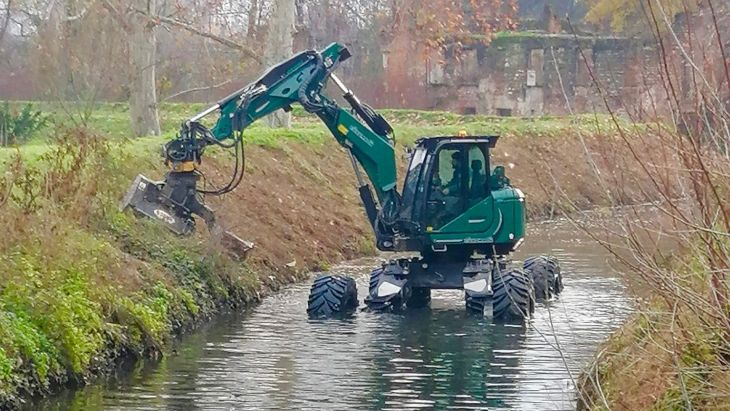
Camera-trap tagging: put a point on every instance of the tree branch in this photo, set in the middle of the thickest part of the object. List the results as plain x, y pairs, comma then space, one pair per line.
78, 15
720, 43
117, 15
192, 90
356, 13
187, 27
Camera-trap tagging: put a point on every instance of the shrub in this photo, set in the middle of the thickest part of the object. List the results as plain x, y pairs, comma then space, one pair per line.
16, 127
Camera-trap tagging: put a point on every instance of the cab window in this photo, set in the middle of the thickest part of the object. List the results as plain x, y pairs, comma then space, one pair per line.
446, 188
458, 180
478, 187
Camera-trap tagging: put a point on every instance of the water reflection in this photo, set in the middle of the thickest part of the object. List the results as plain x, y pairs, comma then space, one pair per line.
445, 359
274, 357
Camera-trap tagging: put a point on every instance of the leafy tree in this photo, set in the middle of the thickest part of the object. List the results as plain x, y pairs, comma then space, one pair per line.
441, 22
631, 16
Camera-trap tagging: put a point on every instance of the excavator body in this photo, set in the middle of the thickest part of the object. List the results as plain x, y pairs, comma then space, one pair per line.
457, 213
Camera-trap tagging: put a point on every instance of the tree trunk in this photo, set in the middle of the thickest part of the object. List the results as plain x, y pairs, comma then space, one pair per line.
279, 47
142, 88
253, 16
55, 55
6, 20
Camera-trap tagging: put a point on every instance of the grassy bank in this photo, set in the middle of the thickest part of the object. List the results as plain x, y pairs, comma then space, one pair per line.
84, 284
672, 355
112, 120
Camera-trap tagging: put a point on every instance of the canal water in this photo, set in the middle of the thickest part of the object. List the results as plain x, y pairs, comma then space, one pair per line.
274, 357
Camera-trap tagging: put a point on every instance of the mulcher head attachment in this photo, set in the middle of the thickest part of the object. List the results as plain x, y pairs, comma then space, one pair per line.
173, 202
145, 197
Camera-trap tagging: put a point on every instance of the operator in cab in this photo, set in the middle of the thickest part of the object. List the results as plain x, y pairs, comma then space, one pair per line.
453, 187
449, 195
499, 179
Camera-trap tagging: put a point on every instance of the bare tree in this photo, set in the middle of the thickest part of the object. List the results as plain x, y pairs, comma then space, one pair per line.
253, 12
6, 19
687, 287
140, 19
142, 88
279, 47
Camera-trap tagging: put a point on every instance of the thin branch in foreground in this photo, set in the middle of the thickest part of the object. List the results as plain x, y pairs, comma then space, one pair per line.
195, 89
187, 27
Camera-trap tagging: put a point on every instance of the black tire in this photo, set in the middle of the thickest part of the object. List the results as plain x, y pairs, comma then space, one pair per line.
558, 275
476, 305
374, 280
332, 295
419, 298
373, 303
514, 296
545, 274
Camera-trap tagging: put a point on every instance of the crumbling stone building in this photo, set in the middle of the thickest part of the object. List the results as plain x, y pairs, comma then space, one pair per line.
534, 74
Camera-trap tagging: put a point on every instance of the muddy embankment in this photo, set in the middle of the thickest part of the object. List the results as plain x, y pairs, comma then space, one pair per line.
83, 284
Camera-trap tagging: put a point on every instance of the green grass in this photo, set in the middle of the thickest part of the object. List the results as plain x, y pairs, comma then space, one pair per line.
69, 300
680, 351
112, 120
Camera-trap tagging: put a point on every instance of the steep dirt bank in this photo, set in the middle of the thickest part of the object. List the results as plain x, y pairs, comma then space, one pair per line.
298, 204
286, 188
83, 284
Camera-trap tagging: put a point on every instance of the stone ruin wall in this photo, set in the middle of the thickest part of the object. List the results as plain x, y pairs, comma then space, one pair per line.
547, 74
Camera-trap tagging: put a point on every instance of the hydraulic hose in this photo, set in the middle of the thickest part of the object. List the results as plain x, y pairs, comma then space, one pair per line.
390, 211
238, 171
304, 99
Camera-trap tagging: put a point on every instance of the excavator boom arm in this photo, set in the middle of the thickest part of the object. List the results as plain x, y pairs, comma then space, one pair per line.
299, 80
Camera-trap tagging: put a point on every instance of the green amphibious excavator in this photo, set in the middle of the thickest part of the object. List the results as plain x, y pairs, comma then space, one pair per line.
456, 219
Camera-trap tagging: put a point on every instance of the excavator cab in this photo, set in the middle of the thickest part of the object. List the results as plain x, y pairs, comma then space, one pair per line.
452, 203
455, 182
